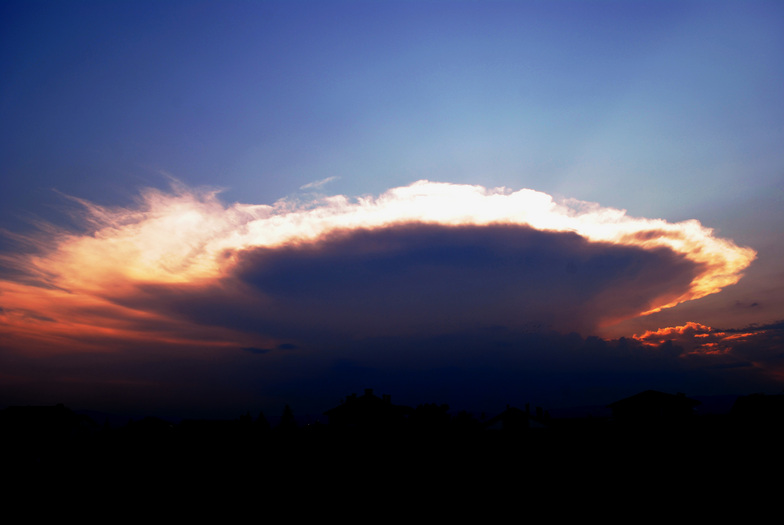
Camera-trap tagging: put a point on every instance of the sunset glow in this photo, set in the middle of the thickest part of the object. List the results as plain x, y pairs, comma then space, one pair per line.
231, 206
695, 338
188, 235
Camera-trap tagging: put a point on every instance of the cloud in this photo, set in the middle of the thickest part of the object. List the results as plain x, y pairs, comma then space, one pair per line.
432, 284
422, 258
693, 337
701, 339
756, 347
424, 279
315, 185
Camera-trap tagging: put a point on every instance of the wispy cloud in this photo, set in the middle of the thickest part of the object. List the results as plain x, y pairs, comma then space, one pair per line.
316, 185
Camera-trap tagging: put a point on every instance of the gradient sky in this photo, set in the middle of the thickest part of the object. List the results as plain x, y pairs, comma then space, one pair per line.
213, 207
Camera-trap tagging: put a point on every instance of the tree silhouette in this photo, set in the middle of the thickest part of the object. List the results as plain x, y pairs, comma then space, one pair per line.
287, 421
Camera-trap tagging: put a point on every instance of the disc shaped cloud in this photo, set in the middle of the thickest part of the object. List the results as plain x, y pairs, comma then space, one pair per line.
425, 258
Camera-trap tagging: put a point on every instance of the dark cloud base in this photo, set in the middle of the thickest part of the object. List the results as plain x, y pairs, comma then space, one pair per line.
425, 279
478, 370
472, 316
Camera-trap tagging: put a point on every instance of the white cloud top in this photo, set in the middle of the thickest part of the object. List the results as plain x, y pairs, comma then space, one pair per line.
190, 234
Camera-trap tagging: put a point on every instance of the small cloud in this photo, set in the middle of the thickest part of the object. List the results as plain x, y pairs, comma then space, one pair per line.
755, 327
318, 184
744, 304
256, 350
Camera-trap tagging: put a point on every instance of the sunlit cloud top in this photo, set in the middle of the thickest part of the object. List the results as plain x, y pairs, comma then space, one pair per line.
189, 234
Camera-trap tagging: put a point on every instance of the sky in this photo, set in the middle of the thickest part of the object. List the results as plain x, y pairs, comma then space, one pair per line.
208, 208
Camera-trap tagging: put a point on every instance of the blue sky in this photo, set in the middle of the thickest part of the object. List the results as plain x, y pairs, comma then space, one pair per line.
668, 110
653, 107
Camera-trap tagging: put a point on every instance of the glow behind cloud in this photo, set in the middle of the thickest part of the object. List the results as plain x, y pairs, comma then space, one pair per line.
181, 281
189, 235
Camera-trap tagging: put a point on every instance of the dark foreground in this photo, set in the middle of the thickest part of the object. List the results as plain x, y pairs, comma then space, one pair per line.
374, 440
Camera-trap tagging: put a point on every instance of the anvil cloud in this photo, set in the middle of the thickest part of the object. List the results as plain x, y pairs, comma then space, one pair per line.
185, 299
429, 257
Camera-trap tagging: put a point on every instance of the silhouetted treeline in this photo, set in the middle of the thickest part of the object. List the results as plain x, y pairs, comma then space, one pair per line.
368, 431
